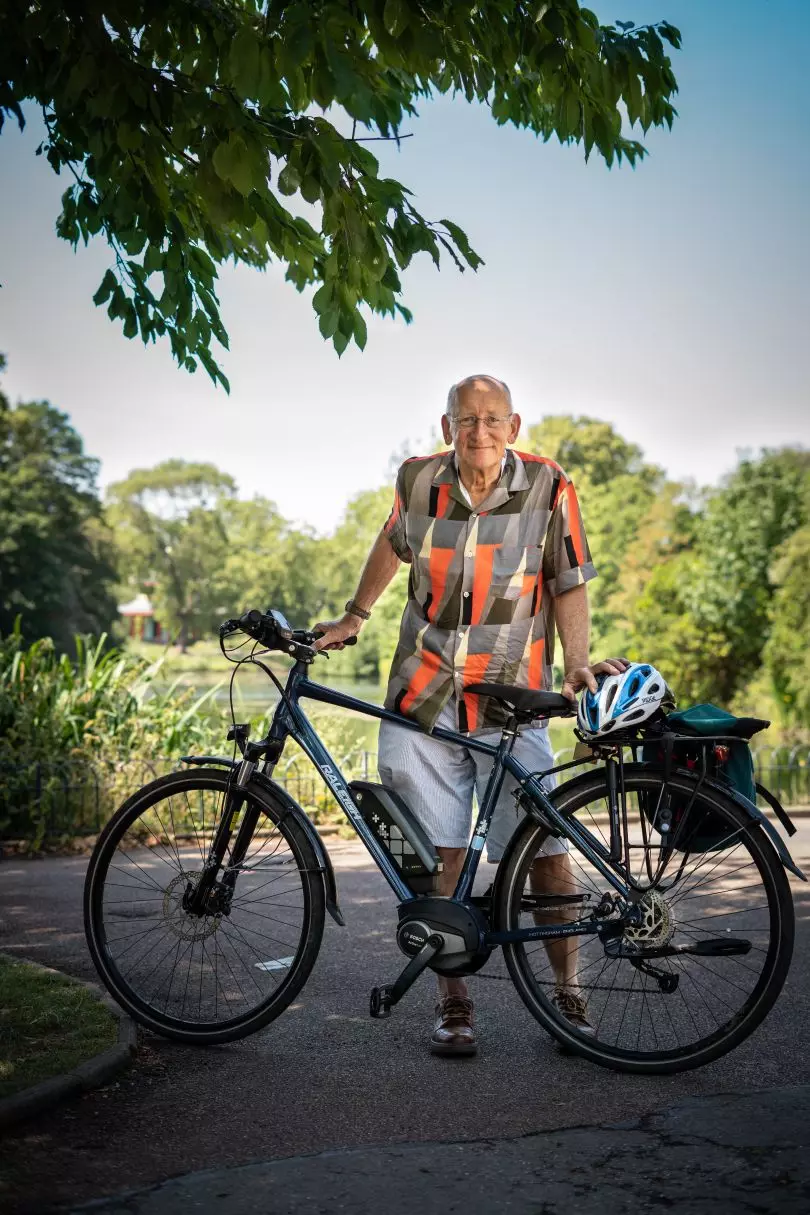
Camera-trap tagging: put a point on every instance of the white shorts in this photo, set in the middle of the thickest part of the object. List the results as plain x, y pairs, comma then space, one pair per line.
437, 781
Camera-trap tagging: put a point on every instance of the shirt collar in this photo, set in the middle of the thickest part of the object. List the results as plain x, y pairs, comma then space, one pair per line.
511, 465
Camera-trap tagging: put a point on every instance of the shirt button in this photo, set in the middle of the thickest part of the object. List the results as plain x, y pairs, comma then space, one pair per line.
466, 594
470, 554
461, 634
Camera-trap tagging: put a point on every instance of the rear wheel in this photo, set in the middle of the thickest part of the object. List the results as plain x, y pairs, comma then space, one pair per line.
223, 974
711, 950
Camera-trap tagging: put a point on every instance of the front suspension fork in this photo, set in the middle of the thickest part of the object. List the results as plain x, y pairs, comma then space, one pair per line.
197, 900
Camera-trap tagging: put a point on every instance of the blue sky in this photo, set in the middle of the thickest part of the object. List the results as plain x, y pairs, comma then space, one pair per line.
672, 301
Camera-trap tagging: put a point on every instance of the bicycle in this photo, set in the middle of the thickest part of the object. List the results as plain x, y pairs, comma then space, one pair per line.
206, 894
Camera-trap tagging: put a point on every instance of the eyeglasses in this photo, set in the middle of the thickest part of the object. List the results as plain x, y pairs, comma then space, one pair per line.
491, 421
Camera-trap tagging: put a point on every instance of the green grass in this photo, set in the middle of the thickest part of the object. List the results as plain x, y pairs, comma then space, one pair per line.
48, 1025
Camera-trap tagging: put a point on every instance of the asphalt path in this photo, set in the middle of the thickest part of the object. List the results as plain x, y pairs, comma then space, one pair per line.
325, 1077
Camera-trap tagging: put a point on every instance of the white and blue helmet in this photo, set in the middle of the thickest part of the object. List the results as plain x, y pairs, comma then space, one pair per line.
623, 701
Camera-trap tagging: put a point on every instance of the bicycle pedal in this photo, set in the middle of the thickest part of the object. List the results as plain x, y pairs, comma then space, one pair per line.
379, 1005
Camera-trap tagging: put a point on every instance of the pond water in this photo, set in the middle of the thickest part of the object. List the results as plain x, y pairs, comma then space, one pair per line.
255, 695
254, 690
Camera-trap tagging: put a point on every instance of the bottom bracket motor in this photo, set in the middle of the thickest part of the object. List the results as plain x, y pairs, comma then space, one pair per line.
461, 927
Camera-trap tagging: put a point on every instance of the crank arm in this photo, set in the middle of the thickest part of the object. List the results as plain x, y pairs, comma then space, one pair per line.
714, 947
384, 998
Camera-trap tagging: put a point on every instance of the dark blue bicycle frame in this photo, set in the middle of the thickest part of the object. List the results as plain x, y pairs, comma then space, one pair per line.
290, 721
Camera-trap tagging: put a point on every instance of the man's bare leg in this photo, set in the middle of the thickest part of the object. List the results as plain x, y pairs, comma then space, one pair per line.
453, 859
549, 875
553, 875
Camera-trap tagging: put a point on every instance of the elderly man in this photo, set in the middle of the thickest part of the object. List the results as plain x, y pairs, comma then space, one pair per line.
498, 557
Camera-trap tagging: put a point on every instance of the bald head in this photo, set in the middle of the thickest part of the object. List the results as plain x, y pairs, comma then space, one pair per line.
478, 386
479, 422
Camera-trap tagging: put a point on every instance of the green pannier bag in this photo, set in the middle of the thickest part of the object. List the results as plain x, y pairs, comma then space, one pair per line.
729, 763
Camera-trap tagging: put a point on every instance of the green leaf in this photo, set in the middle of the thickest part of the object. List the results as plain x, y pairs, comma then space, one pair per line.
311, 189
153, 260
244, 62
288, 180
130, 320
232, 163
221, 160
328, 321
323, 298
395, 19
360, 330
108, 285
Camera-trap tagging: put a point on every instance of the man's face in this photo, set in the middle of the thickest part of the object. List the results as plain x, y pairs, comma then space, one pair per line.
481, 425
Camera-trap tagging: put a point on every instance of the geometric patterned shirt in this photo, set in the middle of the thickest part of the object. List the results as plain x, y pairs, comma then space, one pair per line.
482, 583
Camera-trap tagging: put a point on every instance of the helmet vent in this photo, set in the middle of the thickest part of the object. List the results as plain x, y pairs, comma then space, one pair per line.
611, 696
634, 716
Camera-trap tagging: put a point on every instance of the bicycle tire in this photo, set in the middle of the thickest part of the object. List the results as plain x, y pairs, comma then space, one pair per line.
130, 825
571, 799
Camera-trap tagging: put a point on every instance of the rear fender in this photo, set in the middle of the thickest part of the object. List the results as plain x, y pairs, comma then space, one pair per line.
765, 823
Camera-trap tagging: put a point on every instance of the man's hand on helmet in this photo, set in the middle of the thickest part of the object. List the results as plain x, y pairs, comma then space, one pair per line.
585, 677
336, 632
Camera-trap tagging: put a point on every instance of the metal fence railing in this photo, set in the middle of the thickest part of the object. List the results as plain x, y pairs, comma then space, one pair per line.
51, 801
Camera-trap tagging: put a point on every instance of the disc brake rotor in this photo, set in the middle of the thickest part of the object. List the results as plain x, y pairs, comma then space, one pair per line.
177, 919
657, 926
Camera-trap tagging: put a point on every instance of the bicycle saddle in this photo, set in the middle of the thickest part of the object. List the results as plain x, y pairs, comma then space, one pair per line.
525, 700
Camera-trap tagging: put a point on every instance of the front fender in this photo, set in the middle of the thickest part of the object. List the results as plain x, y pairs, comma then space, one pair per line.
281, 795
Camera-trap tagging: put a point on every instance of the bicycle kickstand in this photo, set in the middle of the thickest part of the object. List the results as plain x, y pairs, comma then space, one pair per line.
384, 998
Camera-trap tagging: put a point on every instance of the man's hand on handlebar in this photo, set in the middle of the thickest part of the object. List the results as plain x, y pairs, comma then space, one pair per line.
337, 633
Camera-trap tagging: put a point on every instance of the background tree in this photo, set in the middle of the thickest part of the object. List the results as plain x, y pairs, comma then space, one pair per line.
56, 568
186, 127
344, 556
269, 562
787, 652
170, 531
628, 507
707, 613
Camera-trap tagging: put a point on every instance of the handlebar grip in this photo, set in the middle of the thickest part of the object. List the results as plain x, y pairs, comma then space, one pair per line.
349, 640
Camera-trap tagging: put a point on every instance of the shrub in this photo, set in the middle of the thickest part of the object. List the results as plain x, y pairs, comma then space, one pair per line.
78, 722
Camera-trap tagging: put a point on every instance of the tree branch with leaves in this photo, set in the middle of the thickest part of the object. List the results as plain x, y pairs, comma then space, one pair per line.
201, 133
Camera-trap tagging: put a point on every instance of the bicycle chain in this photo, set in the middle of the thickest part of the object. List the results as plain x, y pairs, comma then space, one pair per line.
637, 991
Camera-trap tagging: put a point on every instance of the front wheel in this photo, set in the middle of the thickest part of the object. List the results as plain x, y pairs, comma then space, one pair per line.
216, 976
712, 944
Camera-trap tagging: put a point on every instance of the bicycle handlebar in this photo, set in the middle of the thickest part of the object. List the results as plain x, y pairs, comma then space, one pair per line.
272, 631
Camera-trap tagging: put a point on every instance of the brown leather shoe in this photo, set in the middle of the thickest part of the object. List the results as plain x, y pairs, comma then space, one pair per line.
453, 1033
